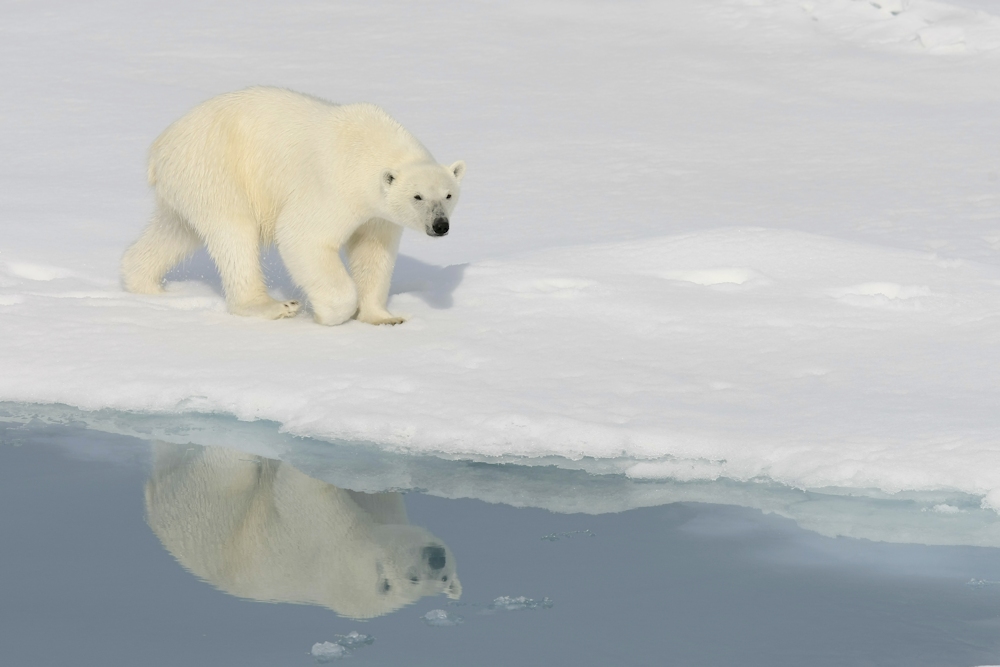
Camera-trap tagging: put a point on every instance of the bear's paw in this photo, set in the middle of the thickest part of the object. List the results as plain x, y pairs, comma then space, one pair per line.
384, 317
269, 310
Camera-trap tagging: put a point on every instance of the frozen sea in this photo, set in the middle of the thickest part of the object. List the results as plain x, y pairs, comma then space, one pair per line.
723, 289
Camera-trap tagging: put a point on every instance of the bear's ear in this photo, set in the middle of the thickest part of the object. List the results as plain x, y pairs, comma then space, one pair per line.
388, 176
458, 169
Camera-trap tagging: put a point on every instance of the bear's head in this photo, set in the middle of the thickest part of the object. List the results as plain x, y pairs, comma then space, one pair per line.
412, 563
422, 195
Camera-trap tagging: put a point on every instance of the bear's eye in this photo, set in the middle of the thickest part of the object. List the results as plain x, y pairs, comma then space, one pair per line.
448, 197
418, 197
386, 586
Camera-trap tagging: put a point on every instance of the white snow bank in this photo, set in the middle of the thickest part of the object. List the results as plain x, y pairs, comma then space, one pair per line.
740, 354
591, 486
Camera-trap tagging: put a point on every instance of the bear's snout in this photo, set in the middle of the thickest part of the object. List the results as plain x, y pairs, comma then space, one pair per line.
440, 227
434, 555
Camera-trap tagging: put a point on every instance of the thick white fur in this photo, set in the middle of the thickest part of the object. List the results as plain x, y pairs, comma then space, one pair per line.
260, 529
266, 165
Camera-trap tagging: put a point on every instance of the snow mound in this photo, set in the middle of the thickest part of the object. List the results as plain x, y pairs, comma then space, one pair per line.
881, 295
920, 25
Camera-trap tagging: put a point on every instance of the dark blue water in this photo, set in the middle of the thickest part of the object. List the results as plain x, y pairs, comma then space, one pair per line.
85, 579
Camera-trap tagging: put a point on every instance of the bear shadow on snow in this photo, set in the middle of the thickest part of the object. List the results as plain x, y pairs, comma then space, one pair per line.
199, 267
434, 285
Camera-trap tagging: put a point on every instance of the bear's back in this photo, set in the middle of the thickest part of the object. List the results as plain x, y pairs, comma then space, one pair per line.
250, 151
231, 132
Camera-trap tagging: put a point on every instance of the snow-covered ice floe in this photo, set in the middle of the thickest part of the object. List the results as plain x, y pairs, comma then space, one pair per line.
739, 354
782, 289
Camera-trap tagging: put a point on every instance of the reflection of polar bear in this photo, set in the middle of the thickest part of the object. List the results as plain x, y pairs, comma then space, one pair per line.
260, 529
266, 165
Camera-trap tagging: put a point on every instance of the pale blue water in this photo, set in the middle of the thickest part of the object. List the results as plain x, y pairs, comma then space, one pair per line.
85, 581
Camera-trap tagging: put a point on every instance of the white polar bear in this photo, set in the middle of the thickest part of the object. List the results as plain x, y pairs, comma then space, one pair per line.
260, 529
270, 166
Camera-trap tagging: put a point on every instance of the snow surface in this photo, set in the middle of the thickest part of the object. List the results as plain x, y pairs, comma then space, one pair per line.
721, 240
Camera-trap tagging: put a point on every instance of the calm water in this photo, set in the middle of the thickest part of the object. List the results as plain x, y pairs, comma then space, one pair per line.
120, 551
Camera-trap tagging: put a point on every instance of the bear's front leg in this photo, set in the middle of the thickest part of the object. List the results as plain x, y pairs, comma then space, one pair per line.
317, 269
371, 252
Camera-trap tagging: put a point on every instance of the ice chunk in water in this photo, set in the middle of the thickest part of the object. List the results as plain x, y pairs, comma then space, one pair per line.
354, 639
506, 603
328, 652
341, 647
555, 537
440, 618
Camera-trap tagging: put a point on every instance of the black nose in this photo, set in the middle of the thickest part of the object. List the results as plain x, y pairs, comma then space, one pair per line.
434, 555
440, 226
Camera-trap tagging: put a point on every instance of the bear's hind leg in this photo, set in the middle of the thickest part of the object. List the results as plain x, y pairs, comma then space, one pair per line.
166, 241
371, 252
235, 247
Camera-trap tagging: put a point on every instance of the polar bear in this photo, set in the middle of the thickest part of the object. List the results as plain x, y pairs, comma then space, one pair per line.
270, 166
260, 529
